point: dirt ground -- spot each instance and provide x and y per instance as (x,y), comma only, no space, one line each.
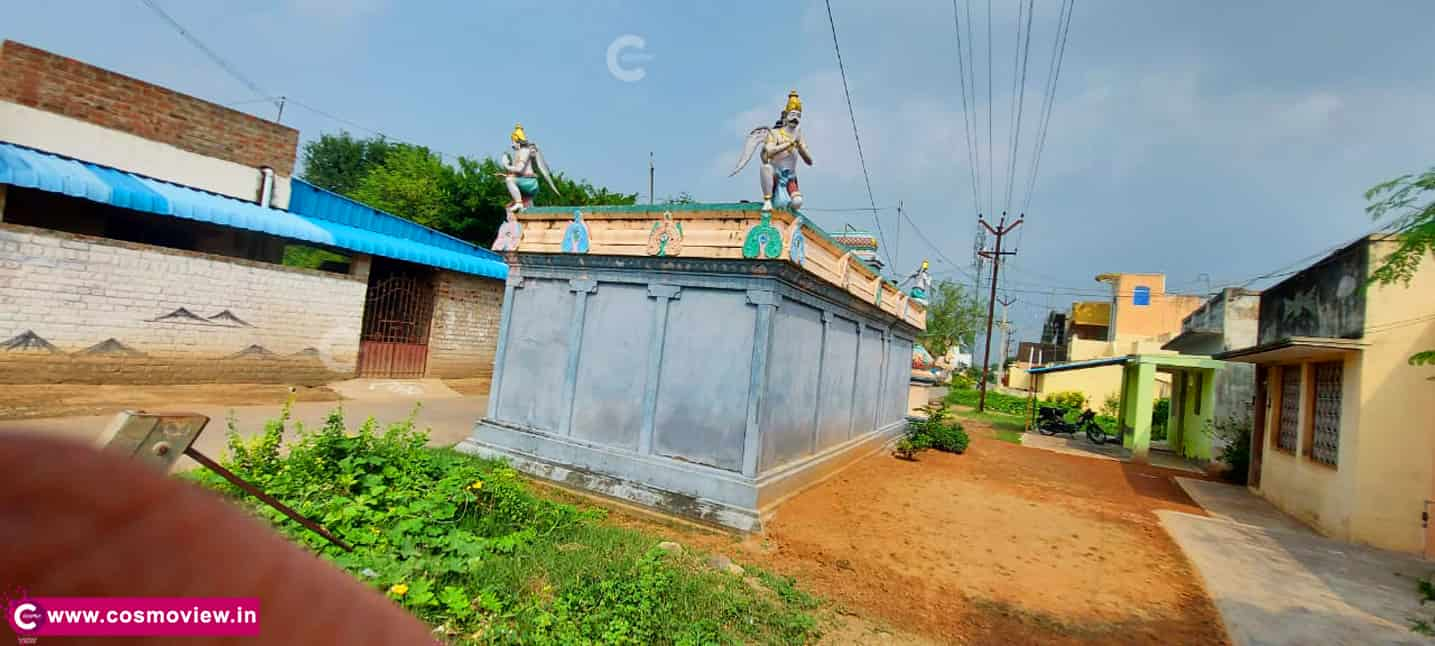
(1004,544)
(64,400)
(60,400)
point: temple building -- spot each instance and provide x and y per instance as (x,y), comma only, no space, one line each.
(709,360)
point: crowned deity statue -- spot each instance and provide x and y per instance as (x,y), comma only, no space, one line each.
(921,284)
(781,145)
(518,171)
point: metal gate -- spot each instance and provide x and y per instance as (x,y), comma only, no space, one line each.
(397,314)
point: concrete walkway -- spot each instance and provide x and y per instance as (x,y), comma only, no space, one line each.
(1079,445)
(1276,582)
(449,419)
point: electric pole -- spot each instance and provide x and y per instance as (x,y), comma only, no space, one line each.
(995,256)
(1006,340)
(650,178)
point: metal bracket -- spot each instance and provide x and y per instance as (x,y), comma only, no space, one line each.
(158,439)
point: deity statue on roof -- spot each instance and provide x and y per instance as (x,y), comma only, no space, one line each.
(518,171)
(780,145)
(921,284)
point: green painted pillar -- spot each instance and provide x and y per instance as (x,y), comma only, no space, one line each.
(1145,394)
(1208,413)
(1128,402)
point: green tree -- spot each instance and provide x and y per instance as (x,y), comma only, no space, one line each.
(411,183)
(953,315)
(1409,200)
(337,162)
(466,200)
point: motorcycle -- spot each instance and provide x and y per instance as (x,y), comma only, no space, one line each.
(1050,421)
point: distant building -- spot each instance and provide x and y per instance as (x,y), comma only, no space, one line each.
(1137,319)
(1090,320)
(1344,433)
(1225,322)
(147,236)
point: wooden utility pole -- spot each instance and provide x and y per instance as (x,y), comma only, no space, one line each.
(651,198)
(995,256)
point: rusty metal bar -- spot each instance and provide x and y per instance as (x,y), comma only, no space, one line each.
(266,498)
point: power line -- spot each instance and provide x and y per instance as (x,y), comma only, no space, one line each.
(853,115)
(372,131)
(973,159)
(215,58)
(1058,54)
(931,244)
(991,175)
(1018,95)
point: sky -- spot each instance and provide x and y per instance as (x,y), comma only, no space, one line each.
(1210,141)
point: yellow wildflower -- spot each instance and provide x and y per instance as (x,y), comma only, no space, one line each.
(477,484)
(399,589)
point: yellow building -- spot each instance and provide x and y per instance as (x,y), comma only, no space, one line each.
(1344,427)
(1138,319)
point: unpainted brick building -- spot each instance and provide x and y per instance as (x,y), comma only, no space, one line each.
(147,236)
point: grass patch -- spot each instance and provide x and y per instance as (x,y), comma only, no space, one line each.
(997,420)
(1007,435)
(467,546)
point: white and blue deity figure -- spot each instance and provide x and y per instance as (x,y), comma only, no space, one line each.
(921,284)
(781,146)
(518,171)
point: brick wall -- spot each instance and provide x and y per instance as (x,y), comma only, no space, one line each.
(39,79)
(82,309)
(465,326)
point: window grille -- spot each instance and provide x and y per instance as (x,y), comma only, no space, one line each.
(1325,438)
(1289,420)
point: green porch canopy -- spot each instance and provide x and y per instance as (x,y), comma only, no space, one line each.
(1193,397)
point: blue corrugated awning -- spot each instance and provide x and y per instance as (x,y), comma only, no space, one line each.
(402,240)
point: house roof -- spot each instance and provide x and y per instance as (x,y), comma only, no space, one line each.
(1293,348)
(330,219)
(1192,338)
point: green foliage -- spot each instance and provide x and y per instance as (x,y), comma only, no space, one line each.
(298,255)
(1160,414)
(1234,432)
(999,402)
(1409,200)
(953,315)
(1161,410)
(1111,405)
(467,547)
(411,183)
(1067,399)
(937,431)
(466,200)
(961,381)
(1006,435)
(1422,625)
(338,162)
(910,445)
